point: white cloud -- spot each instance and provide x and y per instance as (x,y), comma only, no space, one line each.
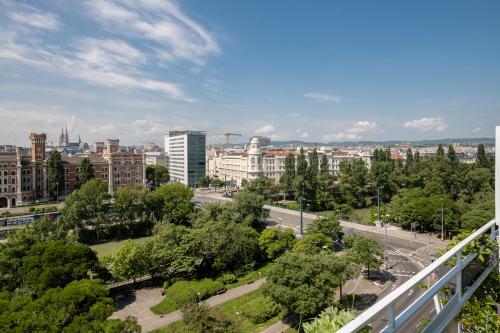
(322,97)
(477,129)
(362,126)
(174,35)
(29,17)
(356,131)
(342,136)
(109,63)
(266,129)
(427,124)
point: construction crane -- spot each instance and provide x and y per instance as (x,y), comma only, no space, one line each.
(226,134)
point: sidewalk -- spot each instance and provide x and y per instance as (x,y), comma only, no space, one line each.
(146,298)
(392,231)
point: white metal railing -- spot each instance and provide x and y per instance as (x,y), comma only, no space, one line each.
(453,304)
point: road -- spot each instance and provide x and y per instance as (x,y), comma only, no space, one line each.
(402,262)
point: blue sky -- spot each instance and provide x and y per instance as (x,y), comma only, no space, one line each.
(308,70)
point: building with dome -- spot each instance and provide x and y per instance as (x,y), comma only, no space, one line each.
(261,159)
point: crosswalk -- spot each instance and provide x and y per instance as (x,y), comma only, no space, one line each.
(393,253)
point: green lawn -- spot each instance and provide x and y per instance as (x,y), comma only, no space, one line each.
(175,296)
(362,215)
(232,309)
(113,246)
(251,276)
(182,292)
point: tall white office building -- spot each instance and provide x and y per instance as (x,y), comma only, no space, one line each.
(186,155)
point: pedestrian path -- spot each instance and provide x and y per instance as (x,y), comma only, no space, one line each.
(146,298)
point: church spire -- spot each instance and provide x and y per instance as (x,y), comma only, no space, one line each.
(66,138)
(61,136)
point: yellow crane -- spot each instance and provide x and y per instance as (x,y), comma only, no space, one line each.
(227,135)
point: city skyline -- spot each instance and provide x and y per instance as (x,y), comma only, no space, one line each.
(289,71)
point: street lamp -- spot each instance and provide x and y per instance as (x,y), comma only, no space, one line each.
(260,275)
(385,243)
(281,221)
(301,199)
(199,297)
(442,220)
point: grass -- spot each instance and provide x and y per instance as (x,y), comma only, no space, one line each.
(362,214)
(251,276)
(176,296)
(113,246)
(232,309)
(182,292)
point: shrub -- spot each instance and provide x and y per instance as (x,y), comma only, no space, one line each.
(229,278)
(31,209)
(183,292)
(260,310)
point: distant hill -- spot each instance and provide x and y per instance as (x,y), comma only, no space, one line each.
(447,141)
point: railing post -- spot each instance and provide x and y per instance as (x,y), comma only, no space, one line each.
(497,190)
(390,318)
(458,284)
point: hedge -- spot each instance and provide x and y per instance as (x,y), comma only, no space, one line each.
(261,310)
(182,292)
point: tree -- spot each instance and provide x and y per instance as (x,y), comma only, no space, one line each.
(353,180)
(324,167)
(313,164)
(301,182)
(157,175)
(325,198)
(288,177)
(201,318)
(312,244)
(87,207)
(173,249)
(228,247)
(172,203)
(248,208)
(330,320)
(302,284)
(131,204)
(85,171)
(54,264)
(478,215)
(365,251)
(330,227)
(81,306)
(216,182)
(452,156)
(481,159)
(263,186)
(203,181)
(382,174)
(131,261)
(440,153)
(55,174)
(274,241)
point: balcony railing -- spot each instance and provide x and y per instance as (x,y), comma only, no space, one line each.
(447,312)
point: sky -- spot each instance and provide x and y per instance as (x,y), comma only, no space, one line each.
(317,71)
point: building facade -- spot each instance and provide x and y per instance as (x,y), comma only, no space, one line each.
(186,155)
(233,166)
(22,173)
(23,170)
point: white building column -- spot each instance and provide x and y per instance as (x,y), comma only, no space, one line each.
(19,170)
(497,187)
(111,176)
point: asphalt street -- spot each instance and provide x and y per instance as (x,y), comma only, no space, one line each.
(401,265)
